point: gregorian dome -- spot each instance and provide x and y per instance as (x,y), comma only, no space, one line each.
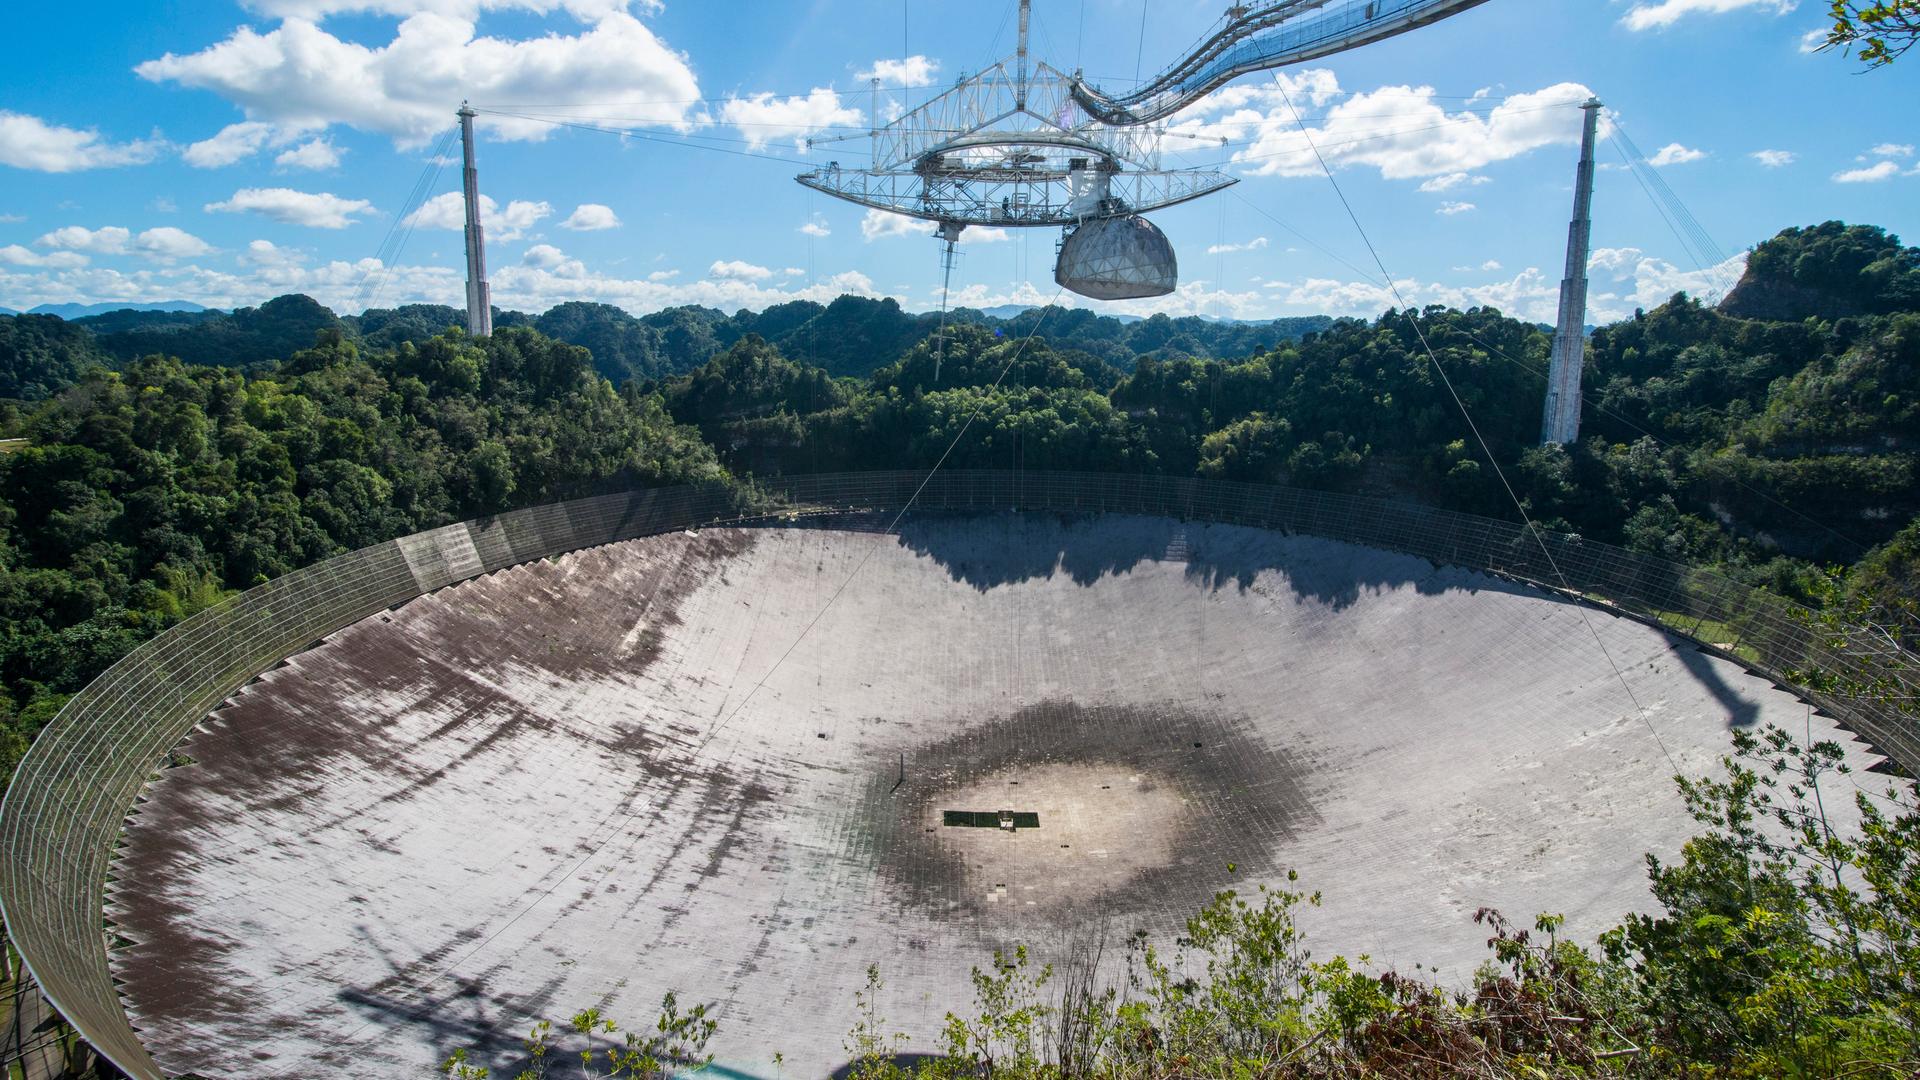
(1117,258)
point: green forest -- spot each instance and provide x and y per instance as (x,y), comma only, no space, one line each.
(158,462)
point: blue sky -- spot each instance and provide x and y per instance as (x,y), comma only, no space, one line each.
(225,154)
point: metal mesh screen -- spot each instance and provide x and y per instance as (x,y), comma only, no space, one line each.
(63,814)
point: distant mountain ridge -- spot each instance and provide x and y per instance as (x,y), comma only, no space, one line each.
(81,311)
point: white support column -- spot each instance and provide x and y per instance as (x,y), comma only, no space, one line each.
(479,298)
(1560,422)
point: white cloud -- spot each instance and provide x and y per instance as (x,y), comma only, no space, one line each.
(548,257)
(299,76)
(663,275)
(1659,16)
(1449,209)
(15,255)
(318,10)
(763,118)
(108,240)
(1656,280)
(1892,150)
(28,142)
(312,154)
(980,234)
(1615,261)
(1529,294)
(1870,174)
(735,270)
(322,210)
(913,71)
(1453,180)
(1254,244)
(881,225)
(1675,154)
(168,243)
(591,217)
(449,211)
(1774,159)
(164,244)
(337,284)
(1491,264)
(1815,39)
(1403,131)
(235,142)
(265,253)
(817,226)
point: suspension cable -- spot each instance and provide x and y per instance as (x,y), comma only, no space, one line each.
(1434,358)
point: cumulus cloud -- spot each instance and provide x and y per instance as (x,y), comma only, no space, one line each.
(816,226)
(1641,282)
(164,243)
(912,71)
(313,154)
(1675,154)
(318,210)
(339,283)
(1664,13)
(1449,209)
(735,270)
(1774,159)
(663,275)
(15,255)
(591,217)
(1614,261)
(28,142)
(235,142)
(1868,174)
(1453,180)
(1254,244)
(1403,131)
(548,257)
(1815,39)
(764,118)
(299,76)
(449,211)
(881,225)
(317,10)
(167,242)
(108,240)
(1892,150)
(267,254)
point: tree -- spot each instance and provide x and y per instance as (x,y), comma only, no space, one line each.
(1883,32)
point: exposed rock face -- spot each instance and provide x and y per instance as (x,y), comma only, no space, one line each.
(1830,271)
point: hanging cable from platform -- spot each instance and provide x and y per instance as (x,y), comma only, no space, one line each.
(949,235)
(1486,449)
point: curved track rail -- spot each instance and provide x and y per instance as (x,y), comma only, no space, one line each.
(1263,37)
(63,817)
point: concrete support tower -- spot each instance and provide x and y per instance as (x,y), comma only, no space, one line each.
(1561,422)
(479,299)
